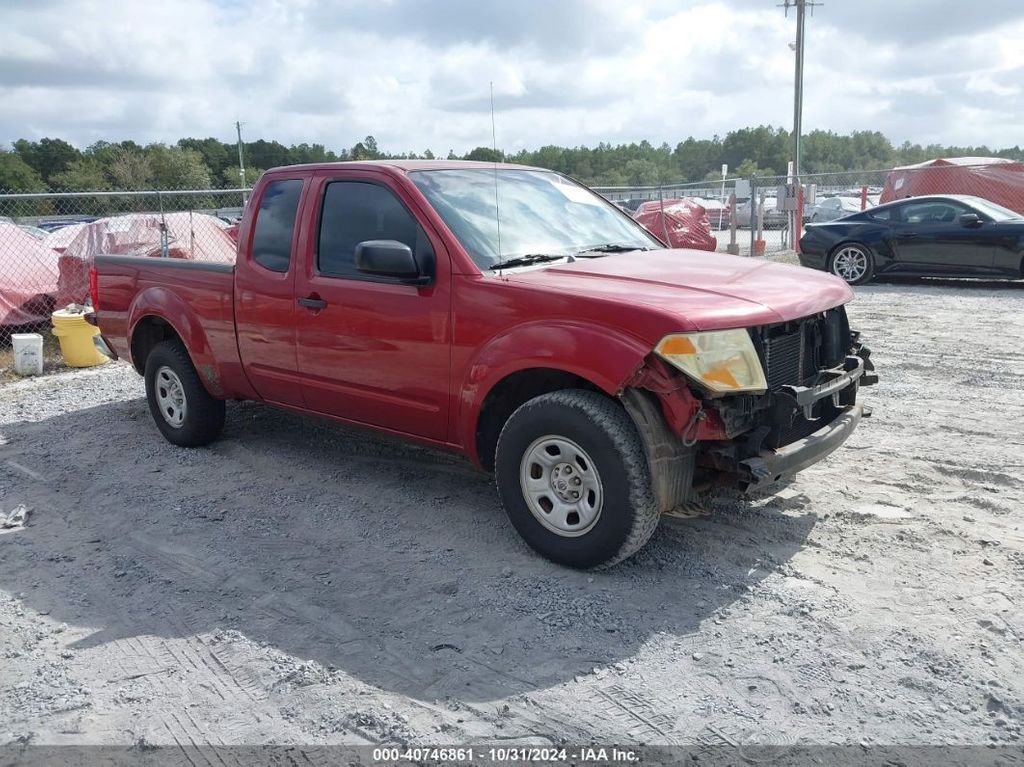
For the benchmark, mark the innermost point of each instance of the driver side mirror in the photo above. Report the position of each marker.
(389, 258)
(970, 220)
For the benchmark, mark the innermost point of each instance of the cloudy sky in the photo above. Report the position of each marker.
(416, 73)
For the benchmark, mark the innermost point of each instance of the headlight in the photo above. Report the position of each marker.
(722, 361)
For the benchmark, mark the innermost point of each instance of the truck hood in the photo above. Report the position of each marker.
(703, 291)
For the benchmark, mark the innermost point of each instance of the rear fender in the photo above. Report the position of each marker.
(172, 309)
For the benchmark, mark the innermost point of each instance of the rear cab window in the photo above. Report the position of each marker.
(275, 224)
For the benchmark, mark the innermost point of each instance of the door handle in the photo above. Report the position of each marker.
(313, 303)
(908, 234)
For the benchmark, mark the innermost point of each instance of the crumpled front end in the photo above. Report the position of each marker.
(813, 369)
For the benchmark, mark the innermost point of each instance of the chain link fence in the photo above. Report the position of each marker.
(49, 240)
(768, 215)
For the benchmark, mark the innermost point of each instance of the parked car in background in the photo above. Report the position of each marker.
(604, 379)
(718, 211)
(52, 225)
(773, 218)
(931, 236)
(831, 208)
(35, 231)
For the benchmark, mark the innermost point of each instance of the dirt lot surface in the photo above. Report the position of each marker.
(298, 582)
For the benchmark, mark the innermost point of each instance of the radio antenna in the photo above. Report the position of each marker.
(494, 146)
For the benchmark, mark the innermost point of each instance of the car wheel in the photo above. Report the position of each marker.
(183, 410)
(852, 262)
(573, 478)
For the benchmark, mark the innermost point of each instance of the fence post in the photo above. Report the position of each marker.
(798, 217)
(753, 213)
(733, 247)
(664, 222)
(165, 250)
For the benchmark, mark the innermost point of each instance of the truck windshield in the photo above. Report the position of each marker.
(541, 214)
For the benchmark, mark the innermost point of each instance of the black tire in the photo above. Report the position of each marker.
(202, 416)
(627, 515)
(864, 250)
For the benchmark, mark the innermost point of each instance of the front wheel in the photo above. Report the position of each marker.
(853, 263)
(183, 410)
(573, 478)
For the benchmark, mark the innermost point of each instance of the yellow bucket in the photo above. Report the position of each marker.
(75, 336)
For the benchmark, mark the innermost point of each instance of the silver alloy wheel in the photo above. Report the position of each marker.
(561, 486)
(850, 263)
(170, 396)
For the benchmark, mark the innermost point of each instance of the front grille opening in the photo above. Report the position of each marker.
(792, 353)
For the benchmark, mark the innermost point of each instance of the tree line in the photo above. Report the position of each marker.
(52, 164)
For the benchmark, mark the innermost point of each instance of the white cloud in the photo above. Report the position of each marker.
(416, 75)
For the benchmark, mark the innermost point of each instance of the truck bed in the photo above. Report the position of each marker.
(195, 297)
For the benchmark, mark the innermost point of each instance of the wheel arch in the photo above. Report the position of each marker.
(512, 391)
(533, 359)
(158, 314)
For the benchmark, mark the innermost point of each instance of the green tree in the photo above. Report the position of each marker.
(177, 168)
(231, 178)
(641, 173)
(749, 168)
(16, 175)
(47, 157)
(265, 154)
(485, 154)
(130, 169)
(86, 174)
(366, 150)
(303, 153)
(216, 154)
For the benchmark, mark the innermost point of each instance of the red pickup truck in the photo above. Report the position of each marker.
(509, 314)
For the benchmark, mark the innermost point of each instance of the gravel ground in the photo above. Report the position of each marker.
(298, 582)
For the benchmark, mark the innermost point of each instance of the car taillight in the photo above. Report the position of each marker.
(94, 289)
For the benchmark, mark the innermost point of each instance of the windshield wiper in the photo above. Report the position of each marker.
(529, 258)
(611, 247)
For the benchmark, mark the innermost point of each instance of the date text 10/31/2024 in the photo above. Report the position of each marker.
(505, 754)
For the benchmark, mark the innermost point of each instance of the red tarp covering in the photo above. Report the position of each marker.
(28, 277)
(189, 235)
(685, 220)
(992, 178)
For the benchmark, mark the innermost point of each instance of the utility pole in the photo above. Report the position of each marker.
(798, 87)
(241, 162)
(798, 104)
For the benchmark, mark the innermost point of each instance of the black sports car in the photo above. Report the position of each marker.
(948, 235)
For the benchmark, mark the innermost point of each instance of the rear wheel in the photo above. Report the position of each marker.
(573, 478)
(182, 409)
(852, 262)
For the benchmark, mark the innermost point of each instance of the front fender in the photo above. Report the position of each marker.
(176, 312)
(605, 356)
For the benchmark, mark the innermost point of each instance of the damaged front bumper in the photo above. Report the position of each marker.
(827, 411)
(745, 442)
(770, 466)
